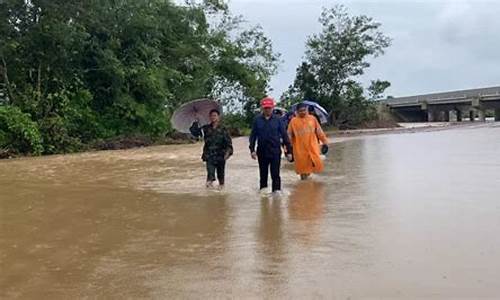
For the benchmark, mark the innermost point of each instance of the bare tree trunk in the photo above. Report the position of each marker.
(7, 82)
(39, 82)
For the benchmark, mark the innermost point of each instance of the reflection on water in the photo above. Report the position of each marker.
(401, 216)
(307, 201)
(306, 208)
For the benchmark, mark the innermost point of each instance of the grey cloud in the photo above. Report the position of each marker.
(437, 45)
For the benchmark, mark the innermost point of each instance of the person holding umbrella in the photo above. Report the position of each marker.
(315, 109)
(217, 149)
(305, 132)
(218, 146)
(268, 132)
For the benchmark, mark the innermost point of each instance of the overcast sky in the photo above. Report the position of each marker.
(437, 45)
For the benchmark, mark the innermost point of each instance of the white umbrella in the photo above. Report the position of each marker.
(199, 110)
(318, 109)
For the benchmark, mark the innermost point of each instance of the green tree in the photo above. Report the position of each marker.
(90, 70)
(377, 88)
(334, 58)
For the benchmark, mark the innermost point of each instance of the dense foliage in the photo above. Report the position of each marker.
(18, 131)
(73, 72)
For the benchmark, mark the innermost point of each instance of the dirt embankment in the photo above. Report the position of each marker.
(122, 143)
(119, 143)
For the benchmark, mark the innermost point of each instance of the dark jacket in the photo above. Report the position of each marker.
(196, 130)
(218, 143)
(268, 134)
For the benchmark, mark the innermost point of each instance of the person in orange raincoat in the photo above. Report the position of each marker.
(305, 133)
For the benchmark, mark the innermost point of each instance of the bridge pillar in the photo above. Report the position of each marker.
(431, 116)
(459, 115)
(497, 114)
(476, 101)
(482, 115)
(446, 116)
(425, 116)
(472, 115)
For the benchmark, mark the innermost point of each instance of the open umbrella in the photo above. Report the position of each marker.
(318, 110)
(199, 110)
(281, 110)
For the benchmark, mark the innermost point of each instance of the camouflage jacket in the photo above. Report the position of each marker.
(218, 144)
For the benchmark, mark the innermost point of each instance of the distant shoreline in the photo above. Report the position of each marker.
(405, 128)
(336, 135)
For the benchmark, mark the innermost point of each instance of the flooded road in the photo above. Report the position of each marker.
(402, 216)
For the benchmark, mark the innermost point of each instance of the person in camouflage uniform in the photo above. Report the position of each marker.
(217, 149)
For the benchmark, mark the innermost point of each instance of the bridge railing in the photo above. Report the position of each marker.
(418, 101)
(486, 93)
(463, 98)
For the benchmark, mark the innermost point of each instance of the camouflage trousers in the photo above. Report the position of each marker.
(214, 167)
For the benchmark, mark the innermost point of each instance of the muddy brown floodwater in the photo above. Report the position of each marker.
(401, 216)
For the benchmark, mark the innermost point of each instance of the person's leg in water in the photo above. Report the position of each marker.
(210, 173)
(221, 166)
(304, 176)
(263, 172)
(275, 173)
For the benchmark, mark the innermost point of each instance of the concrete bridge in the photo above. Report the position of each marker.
(448, 106)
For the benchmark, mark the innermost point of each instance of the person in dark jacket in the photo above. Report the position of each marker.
(195, 130)
(217, 149)
(269, 132)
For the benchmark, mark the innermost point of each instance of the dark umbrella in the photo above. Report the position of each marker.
(188, 113)
(281, 110)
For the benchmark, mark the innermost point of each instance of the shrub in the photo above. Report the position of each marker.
(18, 133)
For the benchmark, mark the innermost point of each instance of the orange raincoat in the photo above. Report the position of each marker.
(304, 134)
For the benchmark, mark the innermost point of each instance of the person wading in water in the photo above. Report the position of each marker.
(269, 132)
(305, 133)
(217, 149)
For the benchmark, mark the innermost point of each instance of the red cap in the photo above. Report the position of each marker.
(267, 102)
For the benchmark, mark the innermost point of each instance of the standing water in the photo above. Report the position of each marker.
(402, 216)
